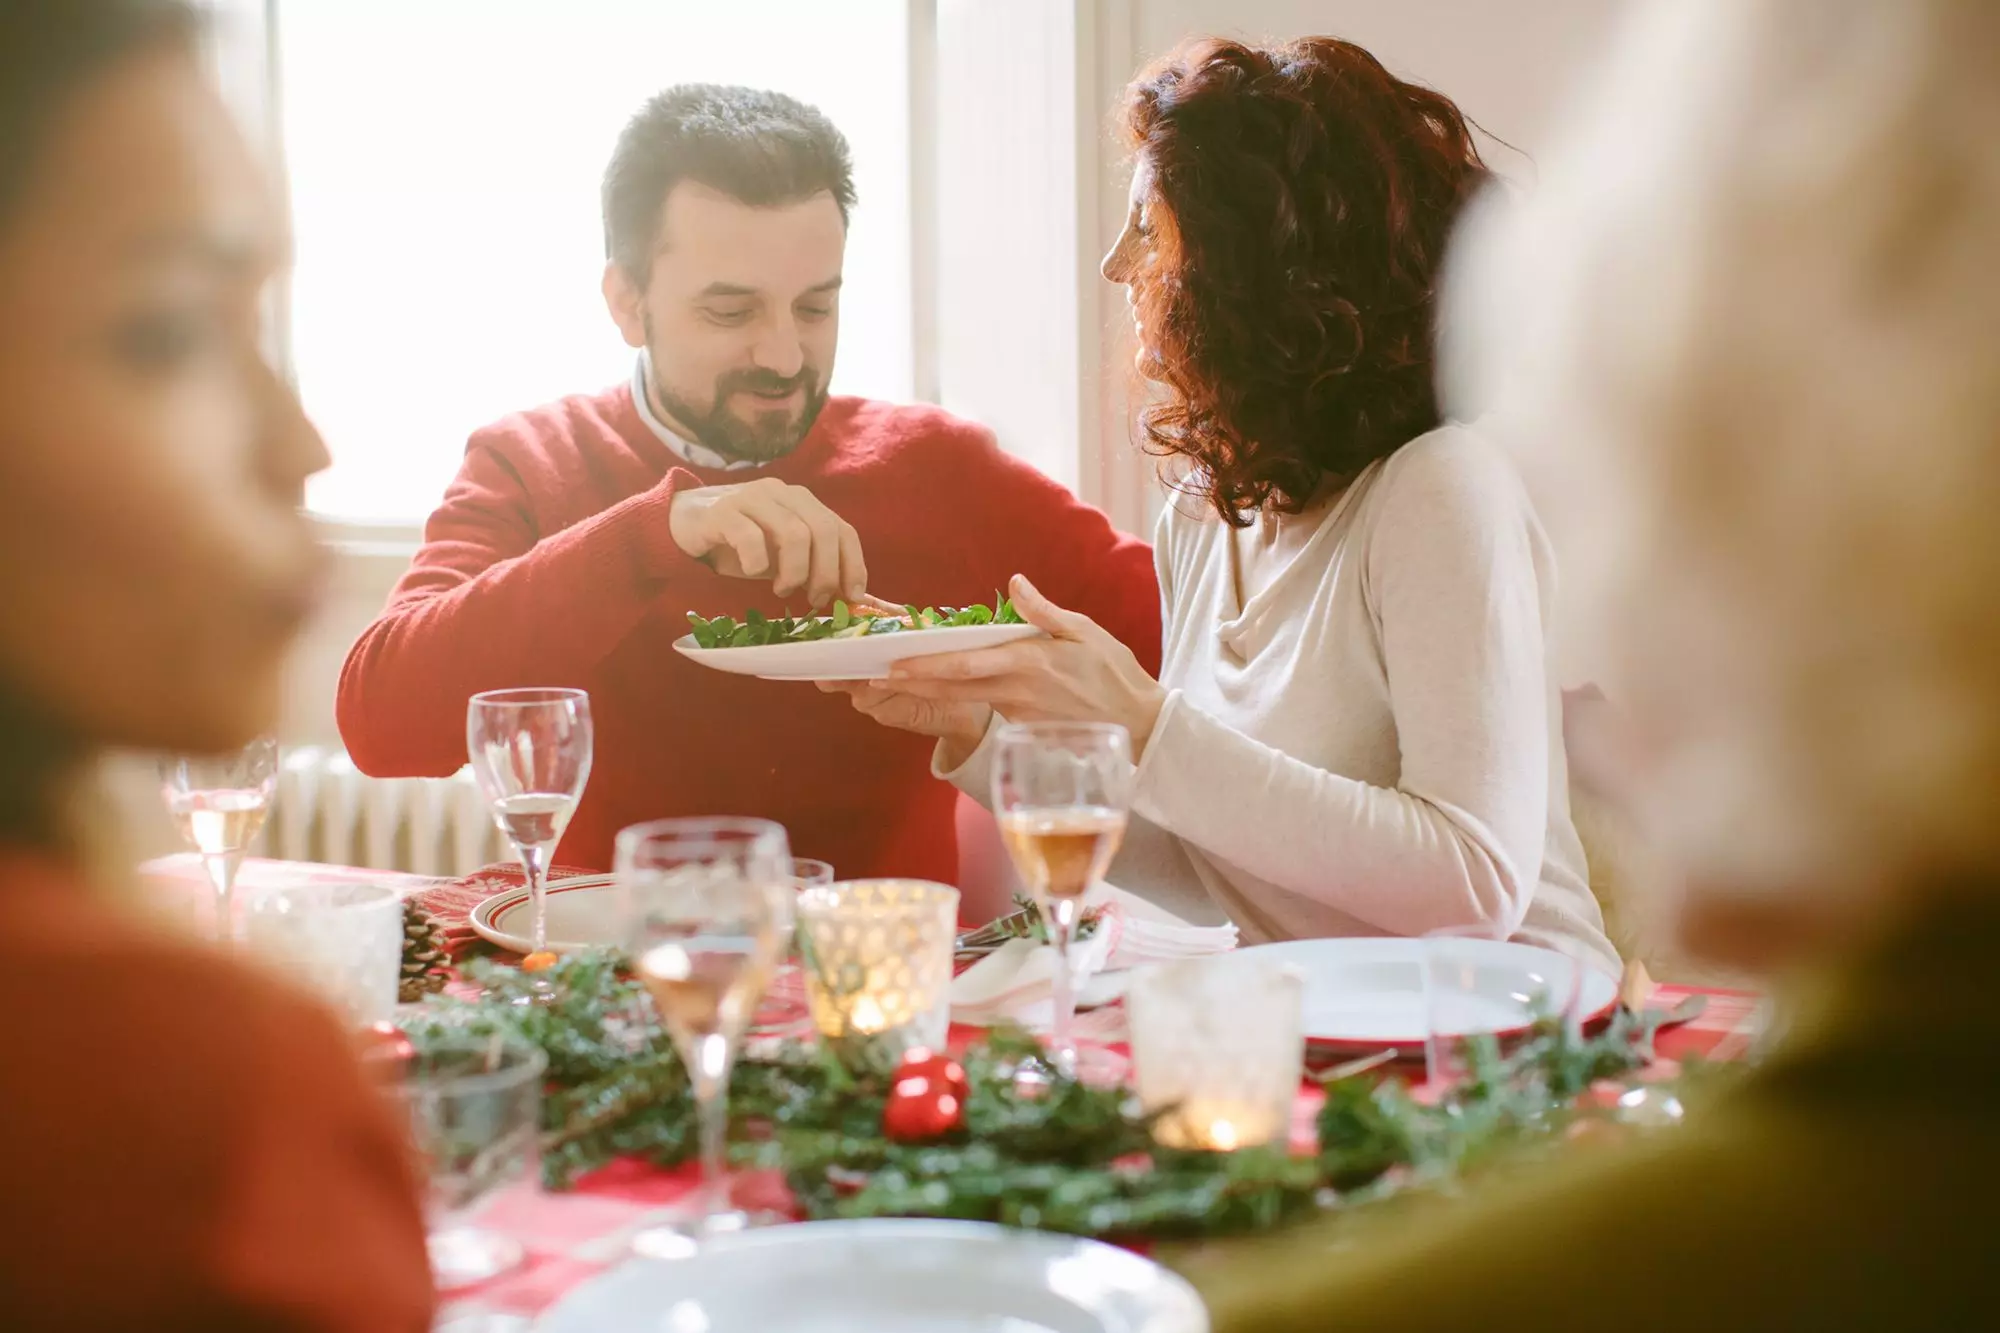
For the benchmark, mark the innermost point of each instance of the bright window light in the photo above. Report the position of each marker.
(444, 158)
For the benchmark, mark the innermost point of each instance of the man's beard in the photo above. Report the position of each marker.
(766, 435)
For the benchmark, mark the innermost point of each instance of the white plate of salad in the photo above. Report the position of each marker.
(849, 643)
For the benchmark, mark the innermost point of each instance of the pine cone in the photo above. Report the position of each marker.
(426, 965)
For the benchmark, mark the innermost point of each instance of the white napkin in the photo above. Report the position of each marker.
(1014, 984)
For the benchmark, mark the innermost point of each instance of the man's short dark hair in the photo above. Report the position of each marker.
(763, 148)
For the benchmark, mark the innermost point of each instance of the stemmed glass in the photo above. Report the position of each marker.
(218, 802)
(705, 907)
(784, 1007)
(530, 752)
(1467, 994)
(1061, 793)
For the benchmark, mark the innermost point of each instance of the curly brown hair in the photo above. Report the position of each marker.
(1299, 204)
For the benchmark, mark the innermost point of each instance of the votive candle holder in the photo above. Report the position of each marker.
(878, 960)
(1217, 1050)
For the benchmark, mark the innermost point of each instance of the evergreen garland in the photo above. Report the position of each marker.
(1059, 1155)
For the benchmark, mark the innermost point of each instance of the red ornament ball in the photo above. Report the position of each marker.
(926, 1101)
(935, 1065)
(383, 1046)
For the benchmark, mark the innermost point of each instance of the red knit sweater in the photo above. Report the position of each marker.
(550, 563)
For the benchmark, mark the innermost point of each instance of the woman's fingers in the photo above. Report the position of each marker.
(1044, 614)
(979, 664)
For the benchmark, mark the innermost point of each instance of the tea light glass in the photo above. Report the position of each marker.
(878, 956)
(1217, 1047)
(344, 941)
(808, 873)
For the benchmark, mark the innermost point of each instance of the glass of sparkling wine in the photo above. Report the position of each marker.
(218, 802)
(530, 751)
(705, 907)
(1061, 793)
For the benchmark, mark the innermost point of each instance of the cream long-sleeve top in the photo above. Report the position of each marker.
(1362, 735)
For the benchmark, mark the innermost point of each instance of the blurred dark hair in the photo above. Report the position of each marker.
(50, 49)
(762, 148)
(1301, 198)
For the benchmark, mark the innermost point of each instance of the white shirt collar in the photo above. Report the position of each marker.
(683, 448)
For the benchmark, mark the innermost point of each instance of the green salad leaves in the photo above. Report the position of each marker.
(756, 630)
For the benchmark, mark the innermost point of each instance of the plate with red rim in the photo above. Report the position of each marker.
(868, 657)
(583, 914)
(1365, 995)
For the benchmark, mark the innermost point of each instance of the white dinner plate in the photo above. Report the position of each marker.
(866, 658)
(583, 913)
(886, 1277)
(1365, 995)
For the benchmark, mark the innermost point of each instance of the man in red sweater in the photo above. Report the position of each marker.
(578, 535)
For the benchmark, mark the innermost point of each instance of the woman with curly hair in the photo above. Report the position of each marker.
(1355, 730)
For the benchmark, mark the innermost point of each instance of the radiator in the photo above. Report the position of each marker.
(327, 810)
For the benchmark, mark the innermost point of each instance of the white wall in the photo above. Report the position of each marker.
(1507, 63)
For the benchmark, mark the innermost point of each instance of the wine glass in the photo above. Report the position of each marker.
(530, 752)
(705, 907)
(218, 802)
(1061, 793)
(475, 1113)
(1470, 992)
(784, 1008)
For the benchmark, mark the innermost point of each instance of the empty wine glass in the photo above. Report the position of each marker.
(1061, 792)
(218, 802)
(531, 752)
(1473, 989)
(475, 1113)
(706, 908)
(784, 1009)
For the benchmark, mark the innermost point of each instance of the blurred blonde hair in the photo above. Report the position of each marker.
(1746, 336)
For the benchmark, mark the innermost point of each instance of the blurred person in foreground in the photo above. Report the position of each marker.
(1755, 309)
(187, 1145)
(579, 534)
(1356, 730)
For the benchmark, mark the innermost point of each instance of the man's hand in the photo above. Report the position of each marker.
(765, 529)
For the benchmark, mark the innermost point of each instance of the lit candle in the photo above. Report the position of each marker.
(866, 1016)
(1217, 1126)
(1216, 1046)
(878, 959)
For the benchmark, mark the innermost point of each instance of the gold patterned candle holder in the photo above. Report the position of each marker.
(877, 956)
(1217, 1046)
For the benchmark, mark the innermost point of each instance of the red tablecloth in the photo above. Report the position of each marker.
(573, 1235)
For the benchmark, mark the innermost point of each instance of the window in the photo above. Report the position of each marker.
(444, 158)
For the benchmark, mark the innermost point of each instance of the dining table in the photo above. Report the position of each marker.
(570, 1236)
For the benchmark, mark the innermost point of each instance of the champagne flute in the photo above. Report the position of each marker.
(705, 907)
(531, 752)
(1061, 793)
(218, 802)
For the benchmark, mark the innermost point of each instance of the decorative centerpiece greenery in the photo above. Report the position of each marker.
(995, 1134)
